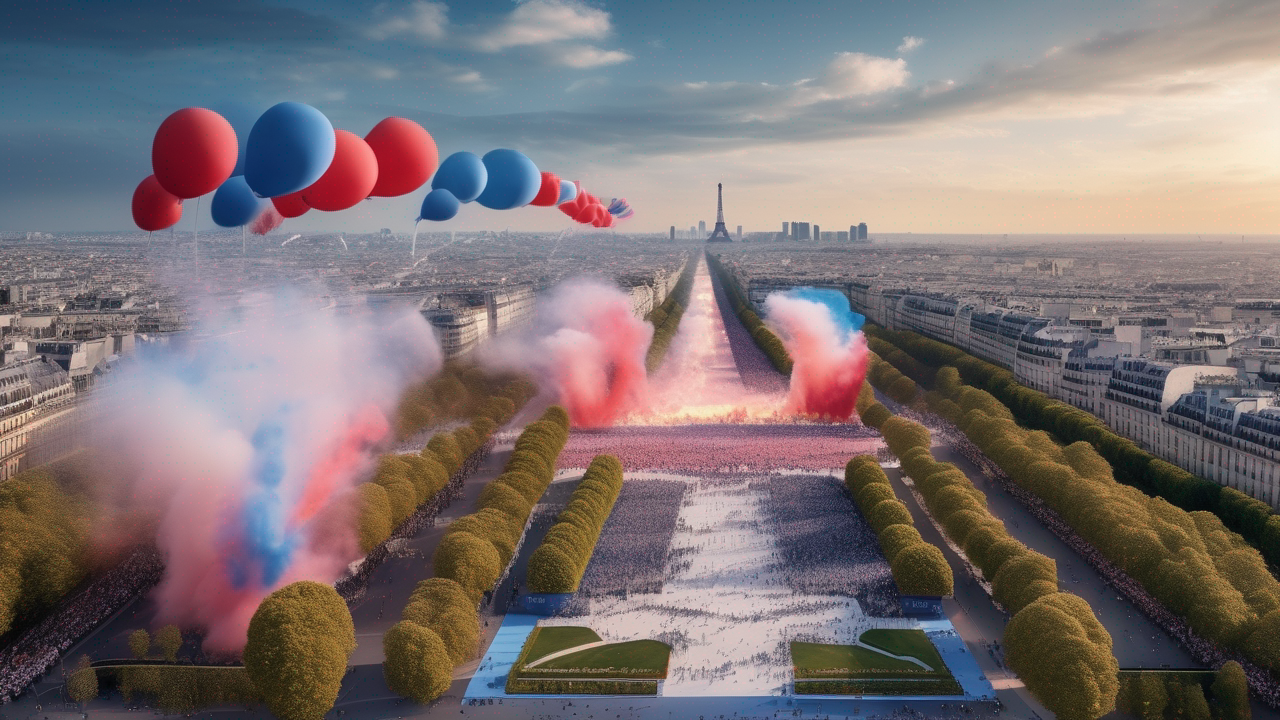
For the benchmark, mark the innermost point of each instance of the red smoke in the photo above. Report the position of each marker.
(829, 362)
(269, 219)
(598, 358)
(342, 461)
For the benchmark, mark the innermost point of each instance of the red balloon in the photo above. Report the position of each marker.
(608, 219)
(194, 152)
(349, 179)
(406, 153)
(549, 193)
(586, 214)
(155, 208)
(291, 205)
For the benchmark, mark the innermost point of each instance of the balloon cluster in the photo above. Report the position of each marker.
(290, 160)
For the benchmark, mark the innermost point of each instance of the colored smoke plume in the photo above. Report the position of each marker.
(269, 219)
(246, 440)
(824, 338)
(589, 346)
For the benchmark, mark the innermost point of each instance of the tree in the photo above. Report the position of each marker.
(1230, 691)
(1153, 697)
(1194, 704)
(471, 561)
(551, 570)
(1024, 579)
(1063, 654)
(82, 686)
(374, 524)
(887, 513)
(139, 644)
(300, 639)
(169, 640)
(921, 569)
(417, 665)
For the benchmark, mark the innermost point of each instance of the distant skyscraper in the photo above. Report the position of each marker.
(673, 232)
(702, 227)
(785, 229)
(802, 231)
(817, 233)
(739, 232)
(862, 231)
(795, 231)
(693, 232)
(842, 236)
(853, 232)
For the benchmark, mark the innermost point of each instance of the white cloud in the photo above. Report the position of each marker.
(538, 22)
(909, 43)
(424, 19)
(587, 56)
(587, 84)
(853, 74)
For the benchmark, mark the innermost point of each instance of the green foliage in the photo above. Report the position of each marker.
(921, 569)
(557, 565)
(139, 644)
(169, 640)
(666, 317)
(300, 639)
(417, 665)
(471, 561)
(82, 686)
(1231, 693)
(44, 533)
(445, 608)
(1024, 579)
(897, 537)
(374, 523)
(184, 689)
(888, 513)
(765, 339)
(875, 415)
(1063, 654)
(447, 451)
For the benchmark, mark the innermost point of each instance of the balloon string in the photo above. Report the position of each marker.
(413, 250)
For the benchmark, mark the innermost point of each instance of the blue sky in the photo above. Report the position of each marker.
(1029, 116)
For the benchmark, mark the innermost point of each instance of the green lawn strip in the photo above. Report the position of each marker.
(908, 643)
(880, 686)
(581, 687)
(552, 639)
(635, 659)
(819, 660)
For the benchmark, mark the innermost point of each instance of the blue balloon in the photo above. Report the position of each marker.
(241, 116)
(568, 191)
(514, 180)
(234, 204)
(439, 205)
(462, 174)
(290, 147)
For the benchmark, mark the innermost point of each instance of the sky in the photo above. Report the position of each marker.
(930, 116)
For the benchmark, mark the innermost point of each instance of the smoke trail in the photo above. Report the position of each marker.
(269, 219)
(247, 439)
(825, 340)
(589, 346)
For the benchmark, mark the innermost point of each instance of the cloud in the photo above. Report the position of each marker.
(539, 22)
(424, 19)
(851, 74)
(144, 26)
(587, 84)
(587, 56)
(909, 43)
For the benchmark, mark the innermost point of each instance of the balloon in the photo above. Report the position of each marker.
(439, 205)
(513, 180)
(575, 205)
(350, 177)
(155, 208)
(241, 116)
(291, 205)
(406, 153)
(235, 204)
(193, 152)
(289, 148)
(462, 174)
(607, 220)
(549, 193)
(585, 214)
(568, 191)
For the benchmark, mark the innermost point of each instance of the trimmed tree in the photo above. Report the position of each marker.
(169, 640)
(82, 686)
(139, 644)
(921, 569)
(1063, 654)
(417, 665)
(300, 639)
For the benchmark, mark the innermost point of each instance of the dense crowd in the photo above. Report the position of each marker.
(631, 555)
(826, 545)
(1260, 680)
(709, 449)
(38, 649)
(757, 373)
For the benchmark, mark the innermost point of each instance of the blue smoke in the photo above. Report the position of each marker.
(266, 543)
(847, 321)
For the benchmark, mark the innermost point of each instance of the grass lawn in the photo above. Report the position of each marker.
(637, 658)
(818, 660)
(910, 643)
(547, 640)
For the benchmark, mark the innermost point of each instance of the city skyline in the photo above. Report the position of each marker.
(1082, 117)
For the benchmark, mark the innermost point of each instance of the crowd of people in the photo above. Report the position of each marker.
(631, 555)
(39, 648)
(1261, 681)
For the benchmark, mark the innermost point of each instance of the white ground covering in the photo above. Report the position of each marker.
(725, 606)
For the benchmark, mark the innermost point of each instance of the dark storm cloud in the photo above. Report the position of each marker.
(134, 27)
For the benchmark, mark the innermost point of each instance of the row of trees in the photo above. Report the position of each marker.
(174, 688)
(168, 640)
(44, 543)
(1155, 695)
(885, 375)
(919, 568)
(403, 482)
(666, 317)
(1132, 465)
(559, 562)
(459, 391)
(440, 627)
(1189, 561)
(1053, 642)
(765, 338)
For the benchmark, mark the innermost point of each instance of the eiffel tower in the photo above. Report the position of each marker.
(720, 233)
